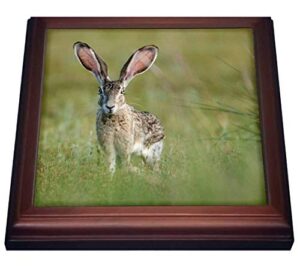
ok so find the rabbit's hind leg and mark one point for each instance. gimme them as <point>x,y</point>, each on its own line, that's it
<point>151,155</point>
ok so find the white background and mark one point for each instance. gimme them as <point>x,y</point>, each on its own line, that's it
<point>12,37</point>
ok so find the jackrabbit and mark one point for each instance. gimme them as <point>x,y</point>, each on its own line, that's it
<point>121,129</point>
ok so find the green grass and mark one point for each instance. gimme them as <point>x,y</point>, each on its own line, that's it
<point>203,89</point>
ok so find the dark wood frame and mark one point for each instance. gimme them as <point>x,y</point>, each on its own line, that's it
<point>149,227</point>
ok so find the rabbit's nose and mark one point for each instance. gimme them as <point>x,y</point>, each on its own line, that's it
<point>110,107</point>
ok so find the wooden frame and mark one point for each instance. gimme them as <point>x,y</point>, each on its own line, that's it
<point>162,227</point>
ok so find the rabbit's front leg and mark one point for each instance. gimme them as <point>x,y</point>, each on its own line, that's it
<point>125,158</point>
<point>129,166</point>
<point>112,162</point>
<point>110,153</point>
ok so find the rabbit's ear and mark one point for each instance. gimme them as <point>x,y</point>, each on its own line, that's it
<point>140,61</point>
<point>91,61</point>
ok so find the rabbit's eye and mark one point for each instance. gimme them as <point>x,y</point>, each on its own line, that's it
<point>108,86</point>
<point>100,91</point>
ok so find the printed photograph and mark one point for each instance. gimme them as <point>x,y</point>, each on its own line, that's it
<point>145,117</point>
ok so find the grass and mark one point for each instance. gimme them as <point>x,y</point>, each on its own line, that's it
<point>203,89</point>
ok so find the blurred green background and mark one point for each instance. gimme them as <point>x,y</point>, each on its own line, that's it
<point>203,89</point>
